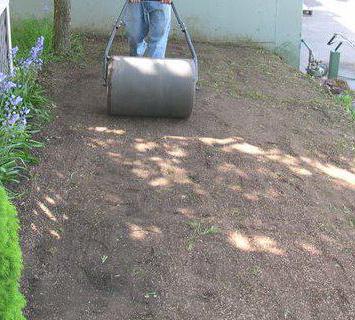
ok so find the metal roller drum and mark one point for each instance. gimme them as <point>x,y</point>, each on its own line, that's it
<point>147,87</point>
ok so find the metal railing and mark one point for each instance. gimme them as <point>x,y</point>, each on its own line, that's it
<point>5,38</point>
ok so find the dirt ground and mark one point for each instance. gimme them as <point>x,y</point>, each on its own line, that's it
<point>245,211</point>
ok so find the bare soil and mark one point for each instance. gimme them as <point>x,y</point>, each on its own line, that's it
<point>245,211</point>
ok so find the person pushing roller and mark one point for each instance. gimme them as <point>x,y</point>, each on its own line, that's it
<point>148,27</point>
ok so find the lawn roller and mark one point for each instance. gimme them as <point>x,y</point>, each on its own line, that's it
<point>315,68</point>
<point>146,87</point>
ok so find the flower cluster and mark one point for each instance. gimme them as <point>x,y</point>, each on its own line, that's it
<point>5,84</point>
<point>14,110</point>
<point>33,60</point>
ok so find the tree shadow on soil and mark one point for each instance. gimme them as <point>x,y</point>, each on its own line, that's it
<point>119,216</point>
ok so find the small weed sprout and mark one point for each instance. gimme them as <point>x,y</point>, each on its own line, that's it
<point>199,231</point>
<point>104,259</point>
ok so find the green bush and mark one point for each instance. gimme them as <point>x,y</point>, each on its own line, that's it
<point>11,300</point>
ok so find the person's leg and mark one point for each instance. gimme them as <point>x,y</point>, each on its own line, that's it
<point>137,28</point>
<point>159,29</point>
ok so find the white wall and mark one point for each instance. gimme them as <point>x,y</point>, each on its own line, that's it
<point>273,23</point>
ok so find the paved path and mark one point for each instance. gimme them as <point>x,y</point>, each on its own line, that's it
<point>330,16</point>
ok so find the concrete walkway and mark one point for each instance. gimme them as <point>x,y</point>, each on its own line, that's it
<point>329,17</point>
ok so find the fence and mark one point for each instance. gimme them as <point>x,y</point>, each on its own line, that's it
<point>5,38</point>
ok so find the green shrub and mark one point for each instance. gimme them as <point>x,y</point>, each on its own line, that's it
<point>11,300</point>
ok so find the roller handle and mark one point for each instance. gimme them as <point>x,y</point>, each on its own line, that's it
<point>331,41</point>
<point>119,23</point>
<point>310,52</point>
<point>187,35</point>
<point>338,46</point>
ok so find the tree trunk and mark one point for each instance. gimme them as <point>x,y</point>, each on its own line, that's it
<point>62,20</point>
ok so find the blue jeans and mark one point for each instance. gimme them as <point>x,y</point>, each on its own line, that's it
<point>148,27</point>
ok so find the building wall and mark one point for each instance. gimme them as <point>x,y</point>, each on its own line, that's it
<point>275,24</point>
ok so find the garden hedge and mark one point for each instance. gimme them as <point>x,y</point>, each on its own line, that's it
<point>11,300</point>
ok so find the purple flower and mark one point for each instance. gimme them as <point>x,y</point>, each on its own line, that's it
<point>33,60</point>
<point>13,119</point>
<point>26,63</point>
<point>14,52</point>
<point>15,101</point>
<point>40,43</point>
<point>37,49</point>
<point>5,84</point>
<point>13,111</point>
<point>25,111</point>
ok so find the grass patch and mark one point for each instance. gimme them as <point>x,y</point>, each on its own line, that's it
<point>11,300</point>
<point>347,100</point>
<point>25,32</point>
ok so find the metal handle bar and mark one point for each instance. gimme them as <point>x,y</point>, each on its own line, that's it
<point>119,23</point>
<point>310,52</point>
<point>331,41</point>
<point>187,37</point>
<point>343,39</point>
